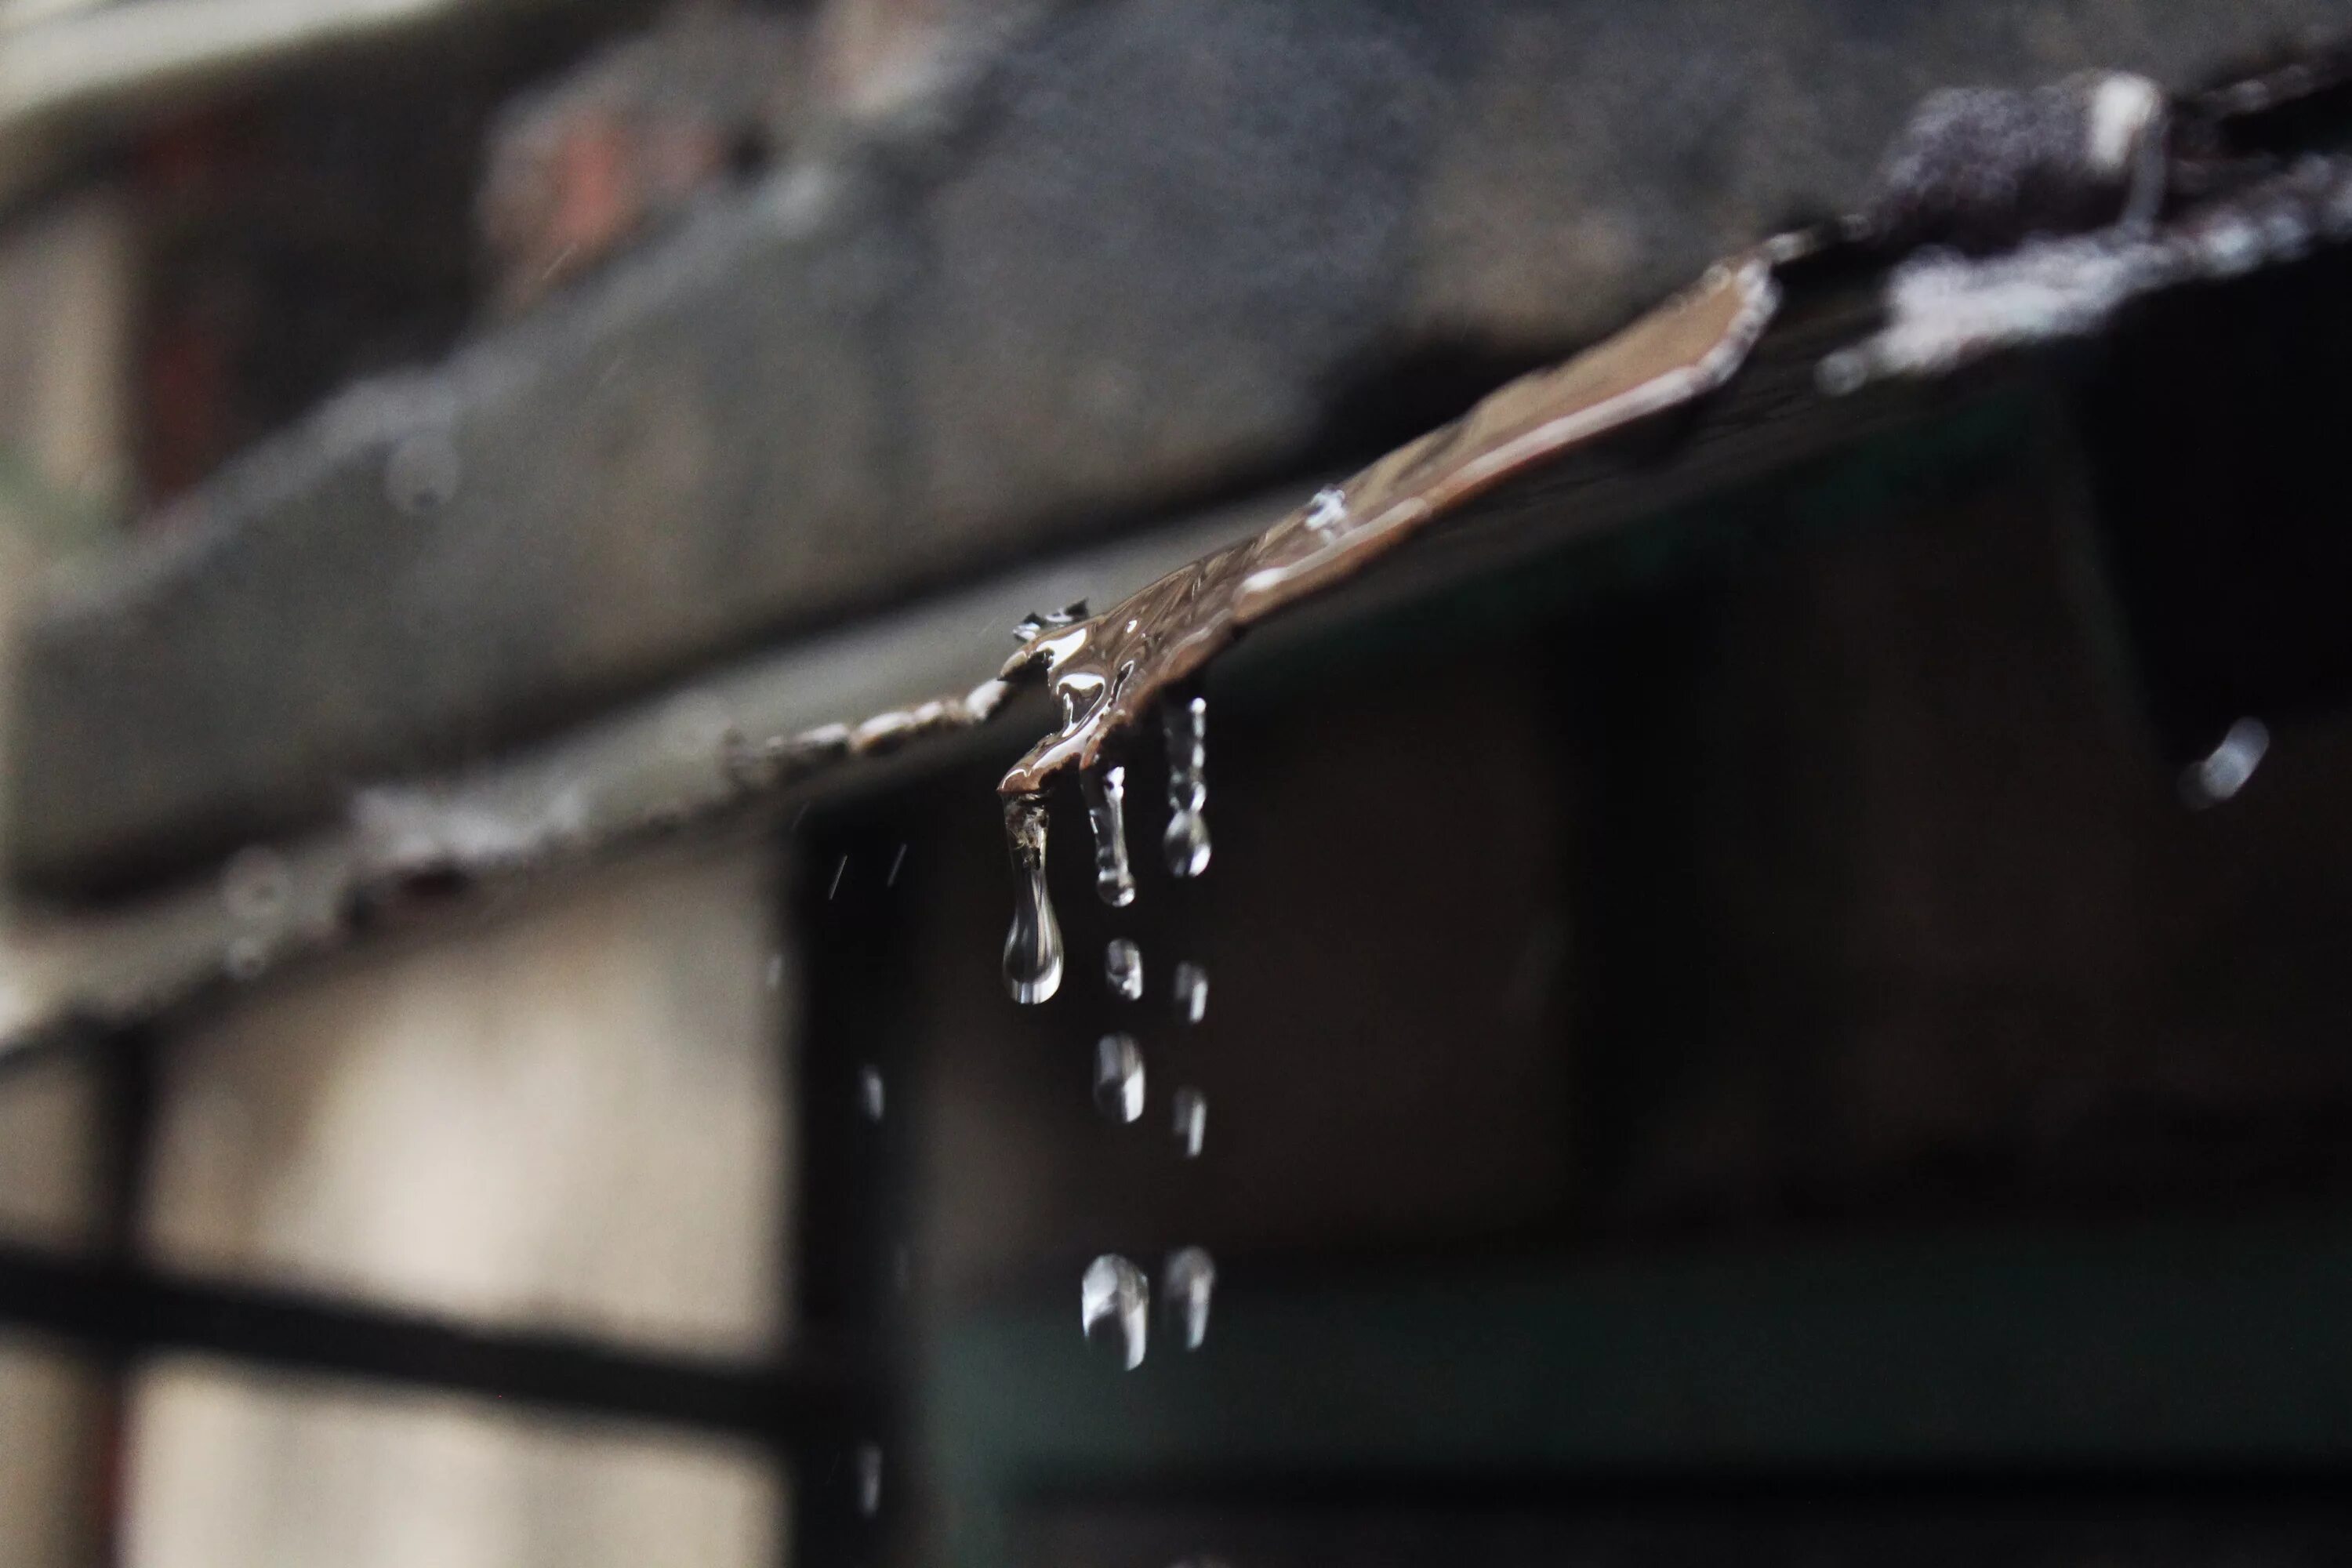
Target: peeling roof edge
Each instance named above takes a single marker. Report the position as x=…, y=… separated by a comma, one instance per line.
x=761, y=736
x=744, y=740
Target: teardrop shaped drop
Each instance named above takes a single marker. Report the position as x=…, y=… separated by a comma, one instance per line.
x=1192, y=992
x=1191, y=1121
x=1119, y=1077
x=1186, y=1285
x=1123, y=969
x=1106, y=792
x=1114, y=1305
x=1032, y=948
x=872, y=1097
x=1186, y=843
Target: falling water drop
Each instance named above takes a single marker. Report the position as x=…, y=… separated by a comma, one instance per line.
x=1192, y=992
x=1123, y=969
x=1113, y=1302
x=1032, y=948
x=2225, y=771
x=869, y=1479
x=1185, y=1286
x=1119, y=1077
x=1191, y=1121
x=871, y=1096
x=775, y=971
x=1106, y=792
x=1186, y=721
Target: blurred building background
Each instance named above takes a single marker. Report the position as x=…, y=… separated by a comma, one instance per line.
x=1786, y=1032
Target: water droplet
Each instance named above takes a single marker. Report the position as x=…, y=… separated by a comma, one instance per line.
x=1119, y=1077
x=1191, y=1121
x=871, y=1096
x=254, y=885
x=1185, y=1287
x=1123, y=968
x=1106, y=792
x=1186, y=721
x=2225, y=772
x=1329, y=510
x=895, y=861
x=1114, y=1303
x=1032, y=948
x=421, y=474
x=869, y=1479
x=1192, y=992
x=775, y=971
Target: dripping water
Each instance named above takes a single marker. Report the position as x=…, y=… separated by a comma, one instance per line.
x=1119, y=1077
x=1192, y=989
x=2224, y=772
x=1032, y=948
x=1185, y=1287
x=1106, y=792
x=1186, y=721
x=871, y=1096
x=869, y=1479
x=1114, y=1304
x=1191, y=1121
x=1123, y=969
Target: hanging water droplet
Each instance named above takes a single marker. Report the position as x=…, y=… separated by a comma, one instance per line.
x=1191, y=1121
x=1106, y=792
x=871, y=1095
x=869, y=1479
x=1186, y=1284
x=1192, y=988
x=1119, y=1077
x=1114, y=1304
x=1186, y=723
x=2226, y=770
x=1123, y=968
x=1032, y=948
